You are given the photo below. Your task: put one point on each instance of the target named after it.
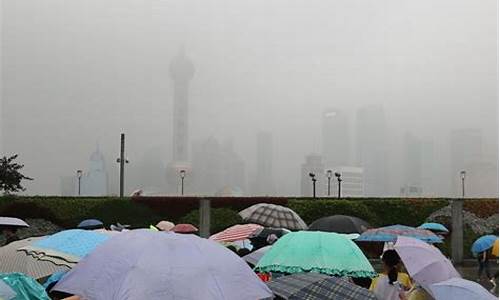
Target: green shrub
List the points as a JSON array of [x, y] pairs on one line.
[[220, 219]]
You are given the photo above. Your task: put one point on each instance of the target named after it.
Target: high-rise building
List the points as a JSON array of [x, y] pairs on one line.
[[352, 184], [313, 164], [466, 148], [336, 138], [264, 181], [216, 167], [181, 71], [372, 150]]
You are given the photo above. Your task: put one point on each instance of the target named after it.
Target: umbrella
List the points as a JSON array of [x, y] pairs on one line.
[[494, 250], [236, 233], [460, 289], [483, 243], [424, 262], [25, 287], [13, 260], [165, 225], [66, 247], [314, 286], [143, 264], [340, 224], [315, 251], [184, 228], [90, 224], [254, 257], [390, 234], [435, 227], [6, 292], [272, 215], [15, 222]]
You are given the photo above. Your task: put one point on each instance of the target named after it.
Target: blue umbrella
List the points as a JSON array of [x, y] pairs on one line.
[[90, 224], [6, 292], [24, 287], [146, 264], [483, 243], [69, 245], [434, 227], [391, 233]]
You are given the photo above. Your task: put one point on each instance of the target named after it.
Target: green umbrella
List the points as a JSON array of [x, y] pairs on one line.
[[314, 251]]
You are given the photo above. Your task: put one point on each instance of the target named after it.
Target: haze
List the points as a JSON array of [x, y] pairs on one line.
[[78, 73]]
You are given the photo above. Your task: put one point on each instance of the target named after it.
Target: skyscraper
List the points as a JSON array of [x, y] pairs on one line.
[[264, 181], [371, 144], [181, 72], [336, 138]]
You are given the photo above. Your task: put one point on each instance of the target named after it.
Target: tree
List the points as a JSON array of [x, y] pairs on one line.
[[10, 177]]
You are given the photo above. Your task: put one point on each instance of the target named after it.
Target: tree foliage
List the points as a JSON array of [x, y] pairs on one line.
[[10, 175]]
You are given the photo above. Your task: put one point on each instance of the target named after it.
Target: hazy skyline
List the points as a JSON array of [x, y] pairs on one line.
[[79, 72]]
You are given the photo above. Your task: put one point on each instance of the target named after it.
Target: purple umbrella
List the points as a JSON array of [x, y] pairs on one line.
[[144, 264], [424, 262]]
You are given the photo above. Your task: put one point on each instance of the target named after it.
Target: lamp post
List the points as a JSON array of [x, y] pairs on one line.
[[329, 174], [462, 176], [182, 174], [337, 174], [122, 161], [79, 176], [313, 178]]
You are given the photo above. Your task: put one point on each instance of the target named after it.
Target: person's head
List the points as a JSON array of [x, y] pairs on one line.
[[391, 260], [9, 231], [232, 248], [364, 282]]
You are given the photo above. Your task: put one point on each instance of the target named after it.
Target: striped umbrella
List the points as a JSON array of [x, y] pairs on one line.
[[271, 215], [13, 260], [236, 233], [314, 286], [391, 233]]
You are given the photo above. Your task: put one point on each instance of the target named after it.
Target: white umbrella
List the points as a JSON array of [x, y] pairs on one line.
[[460, 289], [9, 221]]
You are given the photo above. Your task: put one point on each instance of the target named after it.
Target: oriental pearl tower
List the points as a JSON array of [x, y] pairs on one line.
[[181, 72]]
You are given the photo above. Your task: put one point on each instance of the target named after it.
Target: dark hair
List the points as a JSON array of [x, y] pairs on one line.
[[391, 259], [232, 248], [243, 251], [364, 282]]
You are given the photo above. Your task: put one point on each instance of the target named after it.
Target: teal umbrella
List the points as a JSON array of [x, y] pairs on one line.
[[24, 287], [315, 251]]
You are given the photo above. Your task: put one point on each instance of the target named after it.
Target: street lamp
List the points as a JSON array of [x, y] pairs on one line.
[[182, 174], [329, 174], [337, 174], [313, 178], [79, 176], [462, 176]]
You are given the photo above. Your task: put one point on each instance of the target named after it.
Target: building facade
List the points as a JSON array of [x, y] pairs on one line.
[[336, 138], [263, 184]]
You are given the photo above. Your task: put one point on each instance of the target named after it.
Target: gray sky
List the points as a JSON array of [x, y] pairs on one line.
[[79, 72]]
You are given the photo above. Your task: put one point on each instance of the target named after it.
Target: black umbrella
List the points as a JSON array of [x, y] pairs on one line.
[[340, 224]]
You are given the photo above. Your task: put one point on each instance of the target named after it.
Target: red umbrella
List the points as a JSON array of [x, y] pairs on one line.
[[184, 228], [236, 233]]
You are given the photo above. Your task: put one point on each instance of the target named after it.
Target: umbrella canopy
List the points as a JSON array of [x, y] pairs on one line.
[[184, 228], [25, 287], [460, 289], [6, 292], [254, 257], [90, 224], [144, 264], [315, 251], [68, 245], [390, 234], [165, 225], [272, 215], [314, 286], [424, 262], [14, 222], [13, 260], [340, 224], [483, 243], [236, 233], [494, 250], [435, 227]]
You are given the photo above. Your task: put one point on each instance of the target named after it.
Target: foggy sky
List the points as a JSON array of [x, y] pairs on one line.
[[76, 73]]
